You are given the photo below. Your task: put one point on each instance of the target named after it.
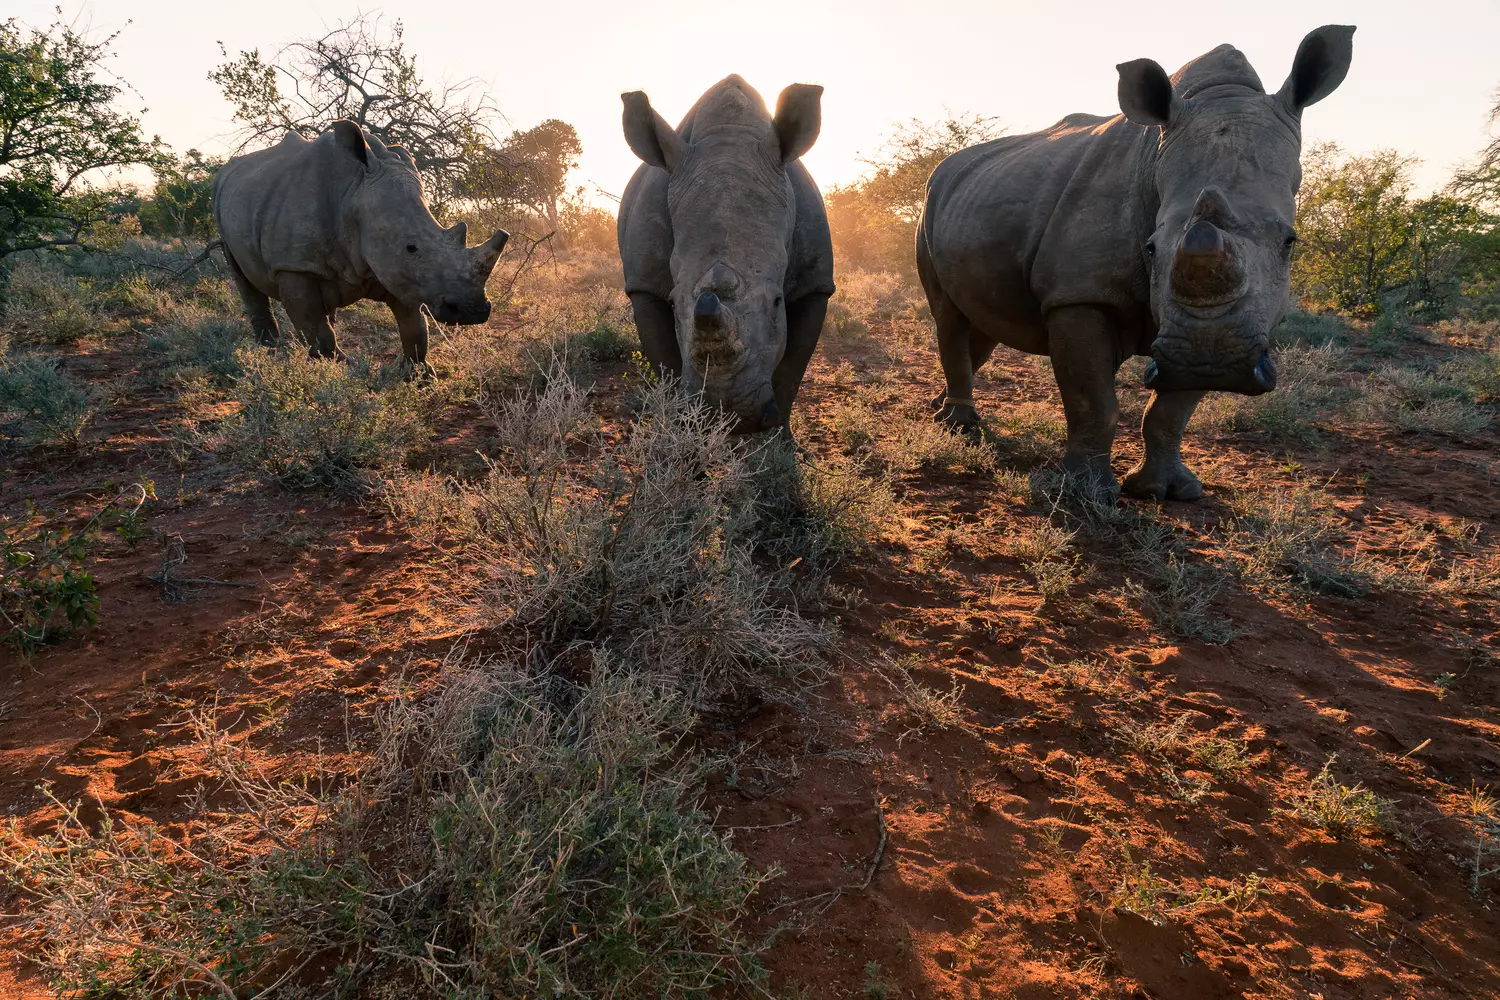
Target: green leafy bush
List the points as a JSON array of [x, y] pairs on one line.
[[39, 404], [44, 591]]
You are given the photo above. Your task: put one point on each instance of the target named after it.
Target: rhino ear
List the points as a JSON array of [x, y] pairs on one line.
[[1146, 92], [1322, 63], [648, 133], [348, 135], [799, 119]]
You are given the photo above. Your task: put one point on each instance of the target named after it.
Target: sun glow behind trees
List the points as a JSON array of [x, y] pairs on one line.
[[1416, 85]]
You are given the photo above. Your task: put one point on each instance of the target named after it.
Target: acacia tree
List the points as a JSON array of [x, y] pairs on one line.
[[181, 203], [58, 129], [361, 71], [1353, 227], [1365, 244], [1481, 182], [527, 173], [874, 219]]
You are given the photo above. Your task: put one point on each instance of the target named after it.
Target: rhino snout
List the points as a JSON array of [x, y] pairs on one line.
[[1164, 375], [465, 313]]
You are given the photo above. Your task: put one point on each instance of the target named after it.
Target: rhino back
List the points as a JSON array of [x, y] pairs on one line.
[[1022, 225], [281, 209], [644, 231]]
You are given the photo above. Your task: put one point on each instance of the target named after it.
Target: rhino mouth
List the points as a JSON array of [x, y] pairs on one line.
[[462, 313], [1164, 375]]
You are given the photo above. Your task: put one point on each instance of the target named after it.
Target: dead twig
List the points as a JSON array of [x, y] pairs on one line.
[[879, 848], [769, 826], [207, 252]]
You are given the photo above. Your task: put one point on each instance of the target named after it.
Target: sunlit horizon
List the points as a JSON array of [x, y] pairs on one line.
[[1417, 85]]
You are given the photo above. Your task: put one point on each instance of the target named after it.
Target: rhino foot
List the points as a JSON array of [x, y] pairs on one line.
[[420, 373], [961, 417], [1091, 479], [1171, 483]]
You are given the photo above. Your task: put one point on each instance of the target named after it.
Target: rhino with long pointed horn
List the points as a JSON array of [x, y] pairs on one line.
[[320, 224], [1163, 231]]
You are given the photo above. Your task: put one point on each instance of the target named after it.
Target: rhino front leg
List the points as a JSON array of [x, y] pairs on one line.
[[1161, 474], [804, 324], [413, 328], [1085, 355], [302, 294], [657, 328]]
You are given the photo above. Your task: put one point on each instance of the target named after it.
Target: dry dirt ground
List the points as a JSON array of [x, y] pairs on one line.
[[995, 795]]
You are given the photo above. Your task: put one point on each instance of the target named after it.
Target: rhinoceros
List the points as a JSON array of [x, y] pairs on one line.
[[725, 243], [322, 223], [1165, 230]]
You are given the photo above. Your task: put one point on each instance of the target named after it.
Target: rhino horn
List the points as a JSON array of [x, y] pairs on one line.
[[458, 233], [708, 314], [1206, 270], [488, 252], [1213, 206]]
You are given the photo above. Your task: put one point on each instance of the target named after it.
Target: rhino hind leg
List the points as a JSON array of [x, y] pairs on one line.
[[962, 349], [1161, 475], [302, 295], [1085, 356], [257, 305]]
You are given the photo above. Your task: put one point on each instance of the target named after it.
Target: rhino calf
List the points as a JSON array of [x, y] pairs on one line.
[[320, 224], [1166, 230], [726, 248]]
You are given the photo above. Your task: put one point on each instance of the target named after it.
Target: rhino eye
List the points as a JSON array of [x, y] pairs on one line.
[[1151, 248], [777, 303], [411, 248]]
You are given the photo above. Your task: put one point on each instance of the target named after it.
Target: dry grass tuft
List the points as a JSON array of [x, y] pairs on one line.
[[1341, 809]]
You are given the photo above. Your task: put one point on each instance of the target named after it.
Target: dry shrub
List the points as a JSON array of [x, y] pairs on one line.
[[533, 839], [1174, 591], [39, 403], [43, 305], [526, 823], [199, 340], [871, 300], [318, 422], [1291, 537], [647, 551]]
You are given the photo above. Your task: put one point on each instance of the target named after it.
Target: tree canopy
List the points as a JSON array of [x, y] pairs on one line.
[[361, 71], [58, 128], [874, 219], [527, 173], [1365, 244]]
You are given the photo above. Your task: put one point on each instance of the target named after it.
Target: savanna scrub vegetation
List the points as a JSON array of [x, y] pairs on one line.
[[531, 681]]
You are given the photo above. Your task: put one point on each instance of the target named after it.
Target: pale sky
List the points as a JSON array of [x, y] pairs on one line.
[[1423, 79]]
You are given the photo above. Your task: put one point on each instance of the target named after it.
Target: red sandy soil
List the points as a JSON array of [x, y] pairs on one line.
[[1003, 837]]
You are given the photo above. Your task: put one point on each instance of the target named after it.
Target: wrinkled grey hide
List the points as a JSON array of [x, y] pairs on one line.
[[324, 223], [727, 254], [1166, 231]]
